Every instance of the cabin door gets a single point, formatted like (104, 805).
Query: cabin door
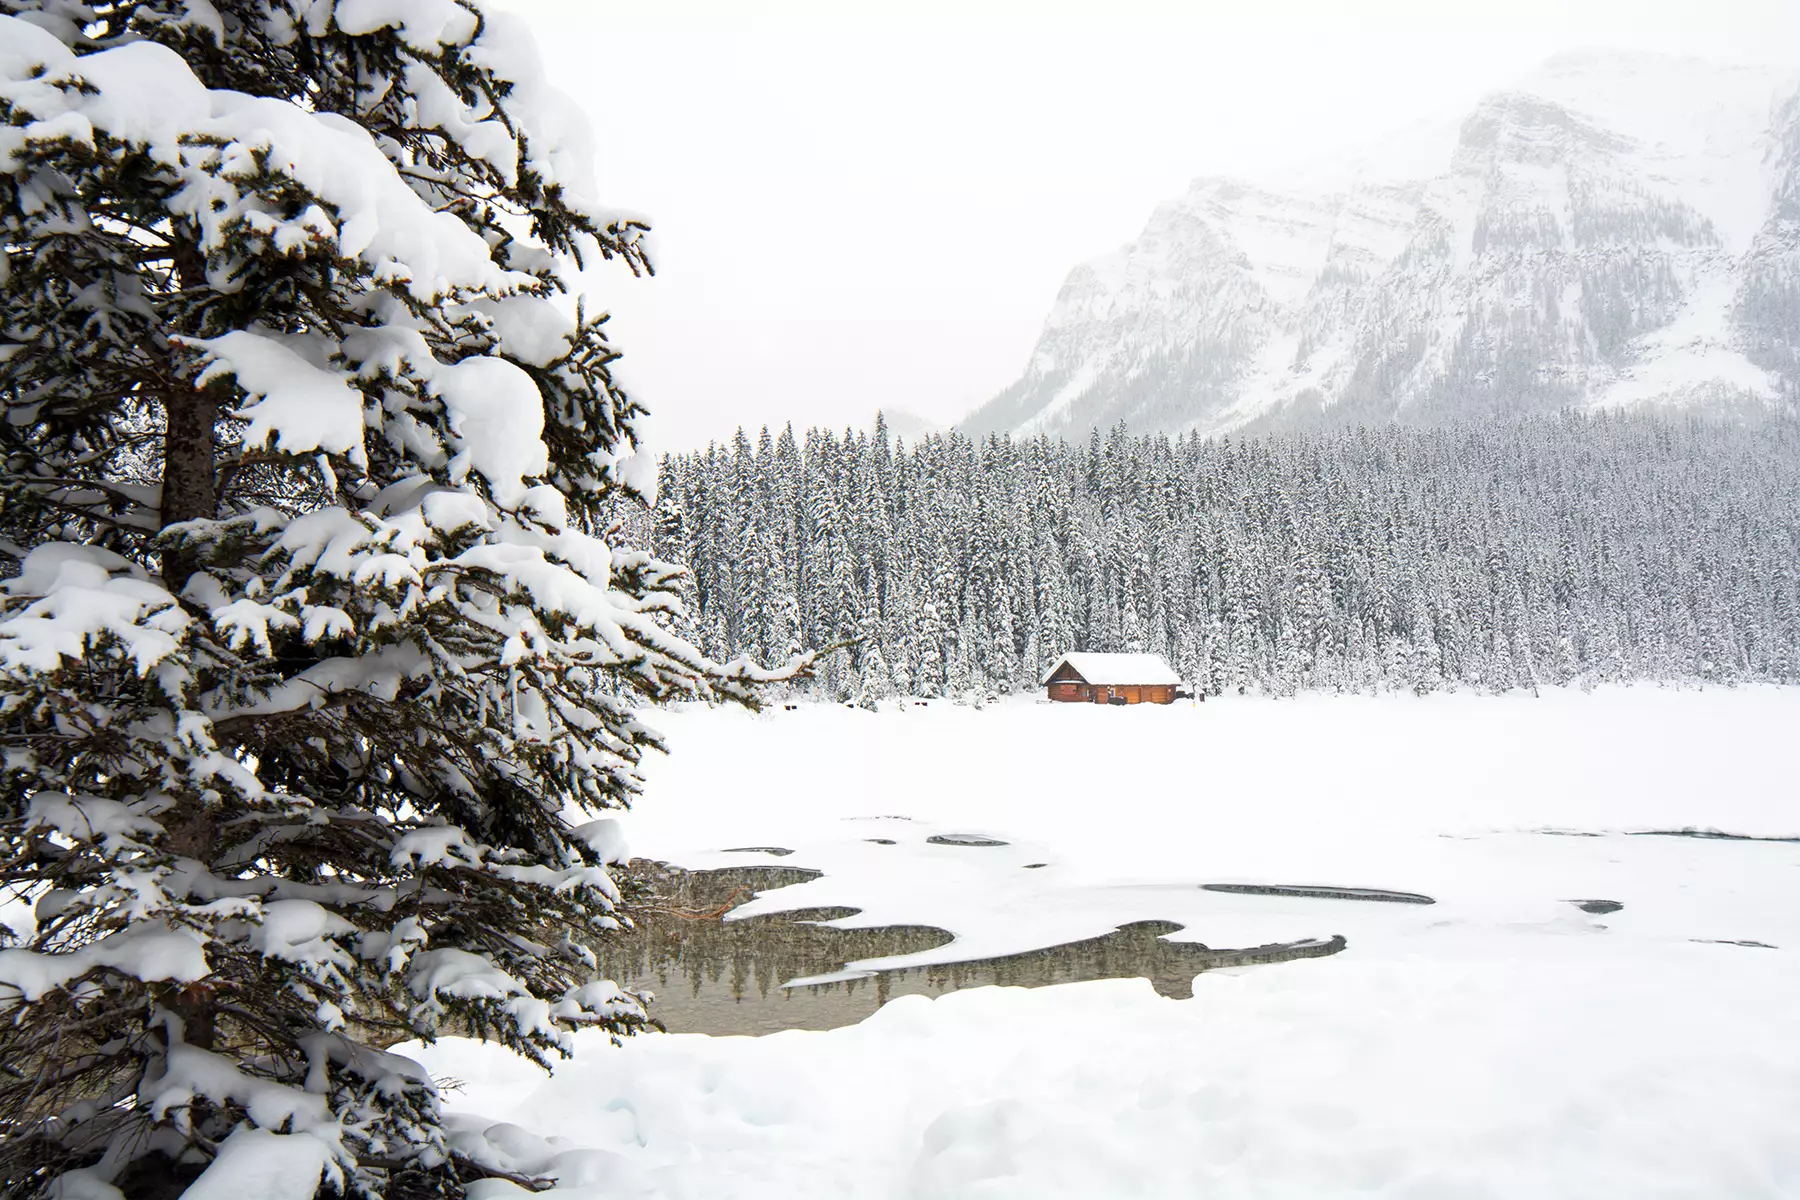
(1099, 695)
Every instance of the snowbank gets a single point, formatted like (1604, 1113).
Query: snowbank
(1611, 1077)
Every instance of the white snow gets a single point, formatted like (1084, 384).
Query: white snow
(425, 24)
(85, 595)
(143, 93)
(295, 401)
(110, 823)
(1611, 1077)
(1500, 1042)
(532, 330)
(269, 1166)
(1112, 669)
(498, 416)
(1700, 126)
(298, 931)
(1045, 419)
(147, 951)
(605, 838)
(1691, 356)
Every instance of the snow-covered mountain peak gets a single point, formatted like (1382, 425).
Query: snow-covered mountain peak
(1699, 127)
(1605, 231)
(1656, 96)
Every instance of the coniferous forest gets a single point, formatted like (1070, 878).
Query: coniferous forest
(1554, 550)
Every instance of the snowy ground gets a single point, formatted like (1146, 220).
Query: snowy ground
(1500, 1042)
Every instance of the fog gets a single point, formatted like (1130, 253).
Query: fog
(873, 205)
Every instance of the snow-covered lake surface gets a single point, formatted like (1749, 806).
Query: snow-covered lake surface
(1501, 1041)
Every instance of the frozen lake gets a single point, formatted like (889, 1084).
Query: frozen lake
(1594, 1002)
(1501, 809)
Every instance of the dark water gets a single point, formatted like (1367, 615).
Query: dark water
(1711, 835)
(724, 977)
(1705, 835)
(1318, 892)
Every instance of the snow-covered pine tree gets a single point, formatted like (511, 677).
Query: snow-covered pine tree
(873, 683)
(314, 647)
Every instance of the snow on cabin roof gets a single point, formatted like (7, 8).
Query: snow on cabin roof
(1115, 670)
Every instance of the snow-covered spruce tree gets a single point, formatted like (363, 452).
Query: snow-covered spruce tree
(314, 649)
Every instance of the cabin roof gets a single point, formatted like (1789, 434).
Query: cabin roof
(1116, 670)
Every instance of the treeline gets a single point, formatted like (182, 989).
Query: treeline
(1552, 550)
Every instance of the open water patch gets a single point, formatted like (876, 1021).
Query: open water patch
(1704, 835)
(1734, 942)
(717, 976)
(1319, 892)
(1712, 835)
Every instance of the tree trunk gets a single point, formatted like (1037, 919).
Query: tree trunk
(188, 489)
(189, 493)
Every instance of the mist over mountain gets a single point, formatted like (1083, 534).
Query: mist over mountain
(1617, 229)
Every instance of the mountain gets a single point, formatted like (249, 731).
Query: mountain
(1615, 230)
(908, 426)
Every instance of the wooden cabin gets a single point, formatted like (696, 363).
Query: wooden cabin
(1082, 678)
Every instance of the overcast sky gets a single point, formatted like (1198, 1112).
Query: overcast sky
(863, 205)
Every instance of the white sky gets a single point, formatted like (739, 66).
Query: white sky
(862, 205)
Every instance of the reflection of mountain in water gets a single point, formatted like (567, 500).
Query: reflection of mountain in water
(724, 977)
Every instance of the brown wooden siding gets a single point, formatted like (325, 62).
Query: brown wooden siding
(1069, 687)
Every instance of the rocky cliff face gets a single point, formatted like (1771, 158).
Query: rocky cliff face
(1615, 230)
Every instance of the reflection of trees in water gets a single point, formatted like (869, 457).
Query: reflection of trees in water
(716, 976)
